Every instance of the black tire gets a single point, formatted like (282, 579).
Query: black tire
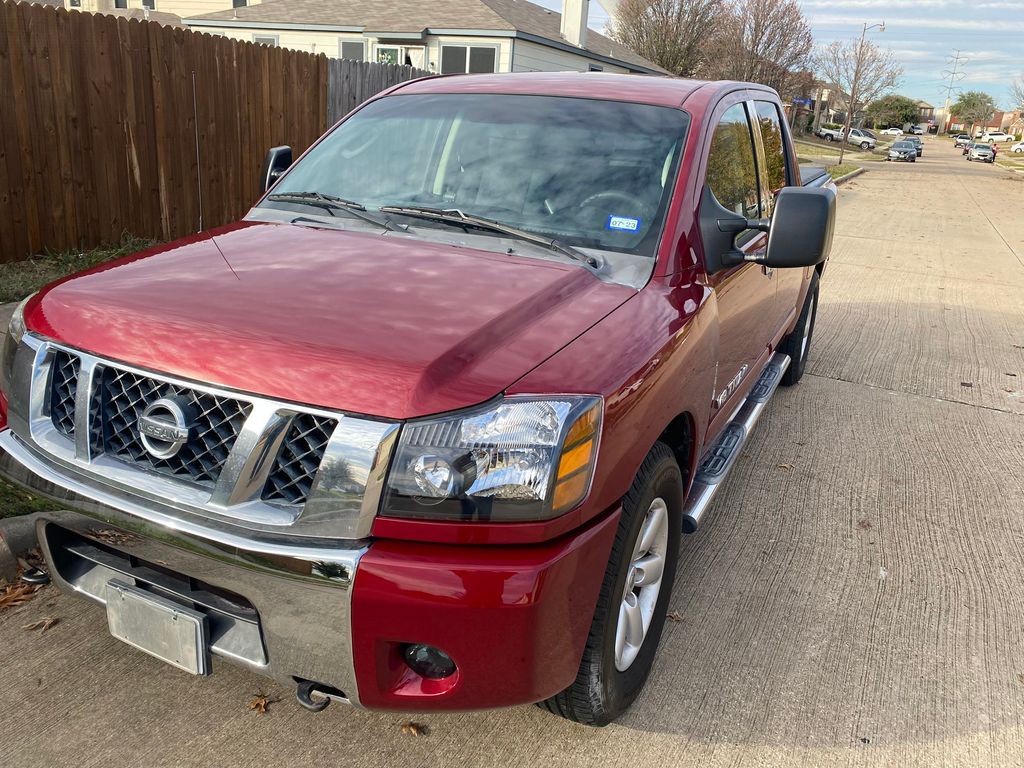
(829, 137)
(793, 345)
(865, 145)
(601, 692)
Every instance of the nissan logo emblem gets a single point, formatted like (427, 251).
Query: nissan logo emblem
(165, 426)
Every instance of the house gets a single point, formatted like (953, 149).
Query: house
(925, 112)
(166, 11)
(444, 36)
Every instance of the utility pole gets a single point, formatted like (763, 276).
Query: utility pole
(954, 77)
(852, 106)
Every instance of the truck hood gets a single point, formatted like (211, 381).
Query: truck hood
(380, 325)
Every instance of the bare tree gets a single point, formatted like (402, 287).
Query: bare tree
(860, 69)
(760, 41)
(1017, 92)
(668, 32)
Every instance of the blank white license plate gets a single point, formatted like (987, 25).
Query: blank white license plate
(158, 626)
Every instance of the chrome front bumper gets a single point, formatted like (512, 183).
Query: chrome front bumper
(301, 594)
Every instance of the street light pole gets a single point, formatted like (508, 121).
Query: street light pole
(858, 66)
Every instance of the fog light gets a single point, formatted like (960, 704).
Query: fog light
(429, 662)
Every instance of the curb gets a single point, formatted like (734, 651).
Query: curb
(848, 176)
(17, 536)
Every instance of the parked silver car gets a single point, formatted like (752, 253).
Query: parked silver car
(981, 152)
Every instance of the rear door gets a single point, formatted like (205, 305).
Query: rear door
(776, 172)
(746, 293)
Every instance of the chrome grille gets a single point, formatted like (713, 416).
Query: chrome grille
(291, 479)
(249, 462)
(124, 395)
(63, 386)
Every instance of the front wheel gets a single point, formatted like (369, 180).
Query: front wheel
(798, 343)
(865, 145)
(829, 138)
(633, 603)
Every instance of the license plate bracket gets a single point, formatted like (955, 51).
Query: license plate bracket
(160, 627)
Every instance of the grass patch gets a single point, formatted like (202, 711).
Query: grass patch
(20, 278)
(14, 502)
(835, 171)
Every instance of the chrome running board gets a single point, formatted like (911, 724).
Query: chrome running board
(719, 459)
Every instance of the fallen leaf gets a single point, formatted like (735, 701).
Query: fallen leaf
(43, 624)
(1014, 375)
(259, 703)
(17, 594)
(1021, 678)
(966, 384)
(675, 616)
(786, 467)
(864, 524)
(114, 536)
(415, 729)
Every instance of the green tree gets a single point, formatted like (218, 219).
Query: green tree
(893, 111)
(974, 107)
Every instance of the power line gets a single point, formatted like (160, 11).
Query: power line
(954, 77)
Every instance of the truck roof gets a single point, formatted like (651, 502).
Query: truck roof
(641, 89)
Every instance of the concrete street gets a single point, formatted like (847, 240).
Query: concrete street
(856, 598)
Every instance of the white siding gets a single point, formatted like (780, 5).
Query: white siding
(531, 57)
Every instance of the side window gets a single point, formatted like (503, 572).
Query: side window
(775, 171)
(732, 173)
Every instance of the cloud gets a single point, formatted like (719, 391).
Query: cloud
(952, 23)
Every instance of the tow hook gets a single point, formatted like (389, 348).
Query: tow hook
(316, 696)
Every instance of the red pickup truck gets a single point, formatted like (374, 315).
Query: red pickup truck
(423, 430)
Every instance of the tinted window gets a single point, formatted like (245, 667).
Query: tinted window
(775, 171)
(453, 59)
(353, 49)
(481, 59)
(732, 174)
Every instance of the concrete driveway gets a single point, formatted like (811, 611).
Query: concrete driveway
(857, 597)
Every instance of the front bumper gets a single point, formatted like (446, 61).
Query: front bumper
(514, 619)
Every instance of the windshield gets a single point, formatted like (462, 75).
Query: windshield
(590, 173)
(902, 145)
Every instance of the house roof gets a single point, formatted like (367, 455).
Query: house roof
(405, 16)
(924, 105)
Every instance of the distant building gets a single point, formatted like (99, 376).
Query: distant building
(926, 112)
(443, 36)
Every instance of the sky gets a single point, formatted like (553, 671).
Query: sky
(924, 35)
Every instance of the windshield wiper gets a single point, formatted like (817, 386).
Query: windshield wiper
(330, 203)
(464, 220)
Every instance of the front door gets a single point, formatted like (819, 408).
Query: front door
(745, 294)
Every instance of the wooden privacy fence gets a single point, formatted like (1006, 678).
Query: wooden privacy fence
(110, 126)
(350, 83)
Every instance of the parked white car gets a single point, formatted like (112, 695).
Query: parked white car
(991, 136)
(893, 132)
(1018, 147)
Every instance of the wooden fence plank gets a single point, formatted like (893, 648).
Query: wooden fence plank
(99, 121)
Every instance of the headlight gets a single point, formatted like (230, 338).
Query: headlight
(522, 458)
(15, 333)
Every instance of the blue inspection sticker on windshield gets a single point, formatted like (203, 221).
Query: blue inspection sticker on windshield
(623, 223)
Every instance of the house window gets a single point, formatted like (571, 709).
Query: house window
(239, 3)
(407, 55)
(468, 58)
(150, 4)
(76, 3)
(352, 49)
(120, 3)
(270, 40)
(595, 68)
